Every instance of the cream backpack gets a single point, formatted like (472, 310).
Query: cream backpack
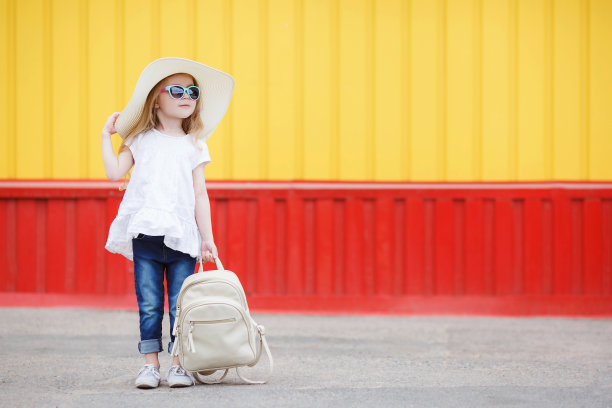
(213, 328)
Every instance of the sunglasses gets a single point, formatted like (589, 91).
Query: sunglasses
(177, 92)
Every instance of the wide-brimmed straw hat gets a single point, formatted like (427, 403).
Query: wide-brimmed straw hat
(216, 88)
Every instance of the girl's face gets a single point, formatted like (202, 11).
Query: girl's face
(176, 108)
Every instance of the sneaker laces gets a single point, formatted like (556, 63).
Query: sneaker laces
(179, 370)
(151, 369)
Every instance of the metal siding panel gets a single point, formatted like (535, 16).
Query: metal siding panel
(248, 54)
(424, 38)
(324, 231)
(606, 226)
(524, 243)
(504, 234)
(320, 71)
(398, 246)
(505, 84)
(40, 240)
(252, 245)
(219, 212)
(280, 276)
(338, 247)
(56, 243)
(489, 246)
(282, 66)
(354, 91)
(474, 247)
(3, 244)
(458, 246)
(414, 278)
(429, 269)
(71, 242)
(548, 259)
(368, 249)
(85, 245)
(99, 233)
(592, 247)
(354, 230)
(236, 244)
(596, 85)
(383, 247)
(309, 246)
(30, 132)
(114, 264)
(532, 278)
(295, 245)
(266, 242)
(562, 245)
(518, 283)
(576, 278)
(389, 69)
(443, 247)
(26, 246)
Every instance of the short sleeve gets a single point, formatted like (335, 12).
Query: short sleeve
(133, 144)
(201, 155)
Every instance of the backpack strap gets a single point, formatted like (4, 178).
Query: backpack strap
(262, 339)
(200, 377)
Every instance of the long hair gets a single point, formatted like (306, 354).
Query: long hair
(148, 119)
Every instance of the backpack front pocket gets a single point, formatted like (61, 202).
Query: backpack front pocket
(215, 335)
(194, 323)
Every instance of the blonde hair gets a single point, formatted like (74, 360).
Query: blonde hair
(192, 125)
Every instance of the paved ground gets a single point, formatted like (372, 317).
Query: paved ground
(89, 358)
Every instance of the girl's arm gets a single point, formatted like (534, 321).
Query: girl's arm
(115, 167)
(202, 215)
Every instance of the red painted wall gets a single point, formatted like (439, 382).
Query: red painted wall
(494, 248)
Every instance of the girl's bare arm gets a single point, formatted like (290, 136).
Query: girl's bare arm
(114, 166)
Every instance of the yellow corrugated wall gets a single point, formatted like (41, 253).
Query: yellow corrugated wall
(408, 90)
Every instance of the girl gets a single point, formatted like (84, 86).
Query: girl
(163, 223)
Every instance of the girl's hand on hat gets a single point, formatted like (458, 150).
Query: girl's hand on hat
(109, 127)
(209, 251)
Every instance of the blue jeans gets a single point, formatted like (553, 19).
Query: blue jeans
(151, 258)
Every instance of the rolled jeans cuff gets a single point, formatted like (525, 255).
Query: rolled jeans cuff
(150, 346)
(170, 347)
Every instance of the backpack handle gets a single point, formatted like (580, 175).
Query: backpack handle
(217, 262)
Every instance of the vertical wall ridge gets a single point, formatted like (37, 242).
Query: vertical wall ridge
(442, 92)
(47, 93)
(477, 161)
(334, 50)
(264, 109)
(584, 89)
(228, 59)
(549, 75)
(298, 169)
(513, 89)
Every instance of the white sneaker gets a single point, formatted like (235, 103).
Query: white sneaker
(178, 377)
(148, 377)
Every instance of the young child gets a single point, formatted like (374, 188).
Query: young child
(164, 223)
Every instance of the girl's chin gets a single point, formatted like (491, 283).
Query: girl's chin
(183, 115)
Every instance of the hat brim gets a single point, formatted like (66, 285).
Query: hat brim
(216, 87)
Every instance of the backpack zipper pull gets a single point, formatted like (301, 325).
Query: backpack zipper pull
(176, 318)
(190, 337)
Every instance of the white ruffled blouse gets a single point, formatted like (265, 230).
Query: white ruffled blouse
(159, 199)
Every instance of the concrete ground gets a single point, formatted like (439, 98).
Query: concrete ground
(89, 358)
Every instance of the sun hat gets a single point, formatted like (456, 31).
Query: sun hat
(216, 88)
